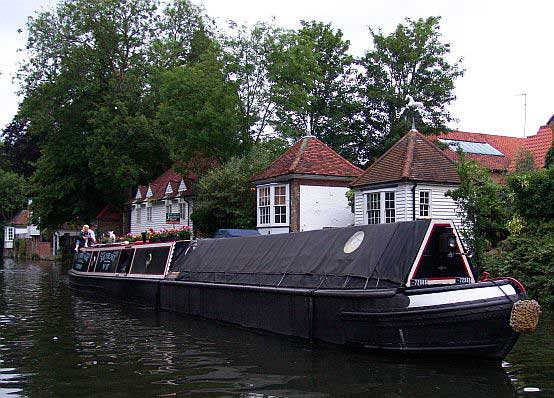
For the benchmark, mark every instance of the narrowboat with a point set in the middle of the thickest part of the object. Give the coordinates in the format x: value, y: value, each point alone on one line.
x: 403, y: 287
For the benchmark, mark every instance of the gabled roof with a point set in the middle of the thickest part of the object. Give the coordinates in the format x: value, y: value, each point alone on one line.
x: 505, y: 144
x: 538, y: 145
x: 21, y: 218
x: 412, y: 158
x: 142, y: 190
x: 309, y: 156
x: 159, y: 186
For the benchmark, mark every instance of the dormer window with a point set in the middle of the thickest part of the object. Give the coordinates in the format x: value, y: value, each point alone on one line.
x: 182, y: 186
x: 149, y: 192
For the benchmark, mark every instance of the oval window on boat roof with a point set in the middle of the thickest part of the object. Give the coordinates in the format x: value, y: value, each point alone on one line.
x: 354, y: 242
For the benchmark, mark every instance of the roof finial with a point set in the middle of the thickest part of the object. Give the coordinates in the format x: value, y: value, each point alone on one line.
x: 413, y: 124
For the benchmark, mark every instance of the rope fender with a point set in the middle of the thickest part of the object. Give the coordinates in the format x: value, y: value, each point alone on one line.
x: 525, y: 316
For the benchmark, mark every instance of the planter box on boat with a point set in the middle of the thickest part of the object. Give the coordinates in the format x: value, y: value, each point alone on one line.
x: 405, y: 287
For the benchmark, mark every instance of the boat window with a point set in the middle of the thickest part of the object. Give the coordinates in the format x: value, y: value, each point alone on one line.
x: 92, y: 262
x: 107, y: 261
x: 81, y: 261
x: 124, y: 262
x: 443, y: 257
x: 150, y: 260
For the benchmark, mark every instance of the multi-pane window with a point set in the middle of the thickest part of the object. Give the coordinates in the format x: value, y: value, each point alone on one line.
x: 424, y: 203
x: 374, y: 208
x: 390, y: 208
x: 280, y: 205
x: 10, y: 233
x: 168, y: 208
x: 183, y: 210
x: 139, y: 214
x: 264, y: 205
x: 148, y: 213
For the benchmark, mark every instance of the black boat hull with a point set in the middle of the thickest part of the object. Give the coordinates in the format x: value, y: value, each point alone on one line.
x: 379, y: 319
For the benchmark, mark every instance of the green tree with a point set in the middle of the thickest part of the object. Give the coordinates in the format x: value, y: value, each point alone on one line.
x: 199, y: 111
x: 481, y: 208
x: 312, y: 87
x: 532, y: 195
x: 181, y: 30
x: 13, y: 194
x: 246, y: 54
x: 89, y: 100
x: 225, y: 197
x: 19, y: 150
x: 412, y: 60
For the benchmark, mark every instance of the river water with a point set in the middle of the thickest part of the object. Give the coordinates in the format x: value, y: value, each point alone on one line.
x: 57, y: 343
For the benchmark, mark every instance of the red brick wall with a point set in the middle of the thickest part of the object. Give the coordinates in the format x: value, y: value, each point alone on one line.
x: 42, y: 249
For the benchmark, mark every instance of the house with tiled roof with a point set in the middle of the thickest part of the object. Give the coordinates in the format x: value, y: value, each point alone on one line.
x: 110, y: 218
x: 408, y: 182
x: 498, y: 153
x: 304, y: 189
x: 17, y: 227
x: 20, y: 227
x: 166, y: 202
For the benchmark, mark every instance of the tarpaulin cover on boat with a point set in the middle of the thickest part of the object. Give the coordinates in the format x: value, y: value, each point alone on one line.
x: 351, y: 257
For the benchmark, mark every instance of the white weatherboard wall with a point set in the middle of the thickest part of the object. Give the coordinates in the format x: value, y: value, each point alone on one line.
x: 322, y: 207
x: 158, y: 217
x: 442, y: 206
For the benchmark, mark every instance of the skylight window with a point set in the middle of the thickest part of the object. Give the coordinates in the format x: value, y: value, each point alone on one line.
x: 480, y: 148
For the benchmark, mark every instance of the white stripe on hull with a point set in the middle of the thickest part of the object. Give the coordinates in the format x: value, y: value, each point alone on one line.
x: 459, y: 296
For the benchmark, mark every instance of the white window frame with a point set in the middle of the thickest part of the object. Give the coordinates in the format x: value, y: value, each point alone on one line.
x: 429, y: 203
x: 387, y: 211
x: 272, y: 205
x: 183, y: 207
x: 138, y: 215
x: 149, y: 212
x: 376, y: 195
x: 382, y: 205
x: 10, y: 234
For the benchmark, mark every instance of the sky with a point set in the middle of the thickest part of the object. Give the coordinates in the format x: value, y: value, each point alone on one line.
x: 505, y: 48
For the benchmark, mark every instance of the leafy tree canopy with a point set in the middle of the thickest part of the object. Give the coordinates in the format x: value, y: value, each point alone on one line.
x: 13, y: 194
x: 199, y: 110
x: 311, y: 86
x: 89, y: 101
x: 533, y: 194
x: 247, y: 51
x: 412, y: 60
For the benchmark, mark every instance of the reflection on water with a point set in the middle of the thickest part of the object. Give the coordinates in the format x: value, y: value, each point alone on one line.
x: 54, y: 342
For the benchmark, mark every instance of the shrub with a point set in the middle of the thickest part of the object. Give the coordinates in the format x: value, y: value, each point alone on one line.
x: 481, y: 207
x: 20, y: 248
x: 549, y: 158
x: 527, y: 256
x: 532, y: 194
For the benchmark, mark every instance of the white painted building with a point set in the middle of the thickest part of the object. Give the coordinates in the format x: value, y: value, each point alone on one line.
x: 408, y: 182
x: 304, y: 189
x: 165, y: 203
